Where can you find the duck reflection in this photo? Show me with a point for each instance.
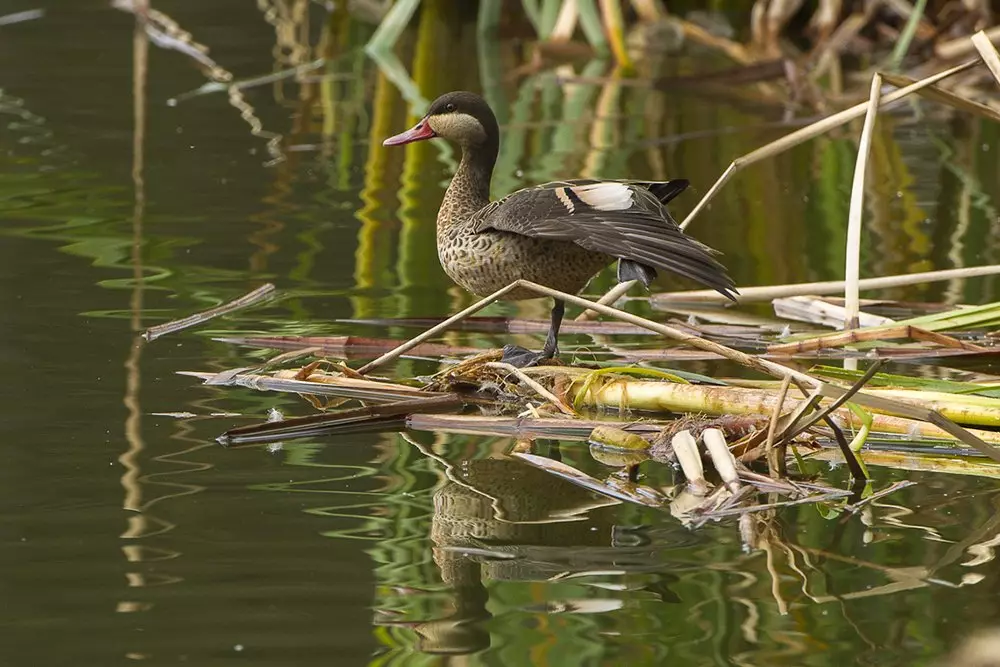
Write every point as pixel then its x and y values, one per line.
pixel 498 519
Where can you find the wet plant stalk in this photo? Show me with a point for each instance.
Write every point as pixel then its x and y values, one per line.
pixel 852 271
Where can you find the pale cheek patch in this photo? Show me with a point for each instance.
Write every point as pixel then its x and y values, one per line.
pixel 458 126
pixel 605 196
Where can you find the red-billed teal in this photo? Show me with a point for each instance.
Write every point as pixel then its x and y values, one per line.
pixel 558 234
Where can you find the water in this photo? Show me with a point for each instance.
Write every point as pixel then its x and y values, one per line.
pixel 129 535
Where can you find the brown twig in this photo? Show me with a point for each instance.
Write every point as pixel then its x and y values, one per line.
pixel 262 293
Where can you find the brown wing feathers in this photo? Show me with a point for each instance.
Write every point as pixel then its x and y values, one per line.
pixel 619 219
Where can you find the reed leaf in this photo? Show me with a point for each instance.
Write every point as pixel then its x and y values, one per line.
pixel 908 382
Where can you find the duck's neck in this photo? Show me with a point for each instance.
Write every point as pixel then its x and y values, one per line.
pixel 469 190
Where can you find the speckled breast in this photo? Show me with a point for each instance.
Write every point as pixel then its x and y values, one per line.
pixel 485 262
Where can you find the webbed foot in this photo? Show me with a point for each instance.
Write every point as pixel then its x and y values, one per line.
pixel 520 357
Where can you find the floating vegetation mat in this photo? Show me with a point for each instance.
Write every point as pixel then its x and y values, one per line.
pixel 737 446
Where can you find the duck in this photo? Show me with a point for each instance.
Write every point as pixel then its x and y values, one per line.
pixel 558 234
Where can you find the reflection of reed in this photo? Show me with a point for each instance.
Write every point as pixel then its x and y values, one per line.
pixel 290 19
pixel 604 130
pixel 373 257
pixel 138 525
pixel 142 524
pixel 133 423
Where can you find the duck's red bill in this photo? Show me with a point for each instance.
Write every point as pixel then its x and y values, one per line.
pixel 418 132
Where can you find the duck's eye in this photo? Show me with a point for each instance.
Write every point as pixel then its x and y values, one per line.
pixel 449 108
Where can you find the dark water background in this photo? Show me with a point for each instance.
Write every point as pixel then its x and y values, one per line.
pixel 131 536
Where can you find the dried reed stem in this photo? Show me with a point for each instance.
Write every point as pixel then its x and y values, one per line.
pixel 852 270
pixel 768 292
pixel 988 53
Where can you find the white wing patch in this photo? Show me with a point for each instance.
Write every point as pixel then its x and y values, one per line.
pixel 565 199
pixel 605 196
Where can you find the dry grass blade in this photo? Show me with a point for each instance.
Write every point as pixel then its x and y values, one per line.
pixel 988 53
pixel 825 287
pixel 938 94
pixel 814 130
pixel 852 270
pixel 260 294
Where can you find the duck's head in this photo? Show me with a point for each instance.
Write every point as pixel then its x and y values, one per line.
pixel 462 117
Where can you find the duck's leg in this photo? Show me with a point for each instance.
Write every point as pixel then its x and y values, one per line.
pixel 519 357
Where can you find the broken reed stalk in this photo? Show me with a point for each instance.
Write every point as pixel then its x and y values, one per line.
pixel 988 53
pixel 657 397
pixel 755 363
pixel 265 291
pixel 825 287
pixel 811 131
pixel 852 270
pixel 795 428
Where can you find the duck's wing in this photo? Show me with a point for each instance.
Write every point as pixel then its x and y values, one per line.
pixel 619 218
pixel 662 191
